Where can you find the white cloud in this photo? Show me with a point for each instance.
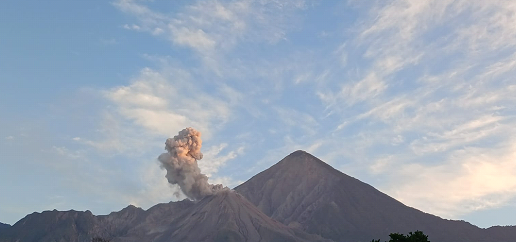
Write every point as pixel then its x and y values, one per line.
pixel 389 110
pixel 462 134
pixel 439 89
pixel 213 160
pixel 469 180
pixel 213 28
pixel 117 136
pixel 342 54
pixel 160 103
pixel 142 93
pixel 158 121
pixel 367 88
pixel 295 119
pixel 397 140
pixel 155 187
pixel 197 39
pixel 419 94
pixel 63 151
pixel 131 27
pixel 316 145
pixel 411 83
pixel 158 31
pixel 382 165
pixel 495 32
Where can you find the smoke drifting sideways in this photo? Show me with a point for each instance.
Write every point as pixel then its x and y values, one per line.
pixel 184 150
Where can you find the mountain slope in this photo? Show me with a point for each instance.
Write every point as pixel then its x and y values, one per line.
pixel 58 226
pixel 226 216
pixel 135 224
pixel 303 191
pixel 4 226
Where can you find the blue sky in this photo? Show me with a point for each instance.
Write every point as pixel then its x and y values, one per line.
pixel 413 97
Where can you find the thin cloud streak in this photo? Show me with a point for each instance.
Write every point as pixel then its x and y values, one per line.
pixel 427 86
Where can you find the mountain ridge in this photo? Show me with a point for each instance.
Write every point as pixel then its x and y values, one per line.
pixel 60 226
pixel 237 214
pixel 300 198
pixel 4 226
pixel 319 199
pixel 225 216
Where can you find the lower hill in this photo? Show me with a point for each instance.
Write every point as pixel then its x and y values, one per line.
pixel 57 226
pixel 226 216
pixel 4 226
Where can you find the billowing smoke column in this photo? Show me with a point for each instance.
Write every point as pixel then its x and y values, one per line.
pixel 181 164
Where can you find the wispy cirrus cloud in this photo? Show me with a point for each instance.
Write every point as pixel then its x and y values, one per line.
pixel 429 86
pixel 416 98
pixel 212 26
pixel 166 101
pixel 470 179
pixel 448 91
pixel 295 119
pixel 423 85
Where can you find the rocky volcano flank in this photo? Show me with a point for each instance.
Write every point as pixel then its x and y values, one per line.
pixel 226 216
pixel 4 226
pixel 304 192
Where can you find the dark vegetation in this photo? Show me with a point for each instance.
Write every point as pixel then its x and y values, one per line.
pixel 417 236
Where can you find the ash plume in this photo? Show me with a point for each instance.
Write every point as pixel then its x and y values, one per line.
pixel 184 150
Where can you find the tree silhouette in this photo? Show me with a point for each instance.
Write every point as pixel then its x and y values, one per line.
pixel 417 236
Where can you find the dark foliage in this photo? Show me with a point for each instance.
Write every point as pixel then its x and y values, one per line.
pixel 417 236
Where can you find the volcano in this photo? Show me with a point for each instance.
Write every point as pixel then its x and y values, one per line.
pixel 304 192
pixel 228 216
